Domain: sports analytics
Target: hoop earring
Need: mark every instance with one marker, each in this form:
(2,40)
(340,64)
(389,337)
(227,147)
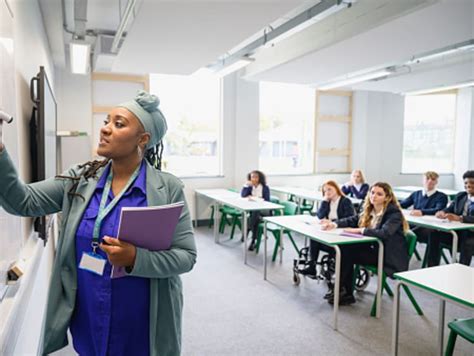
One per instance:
(140,152)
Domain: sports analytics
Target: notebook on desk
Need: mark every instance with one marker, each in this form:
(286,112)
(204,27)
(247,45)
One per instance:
(150,227)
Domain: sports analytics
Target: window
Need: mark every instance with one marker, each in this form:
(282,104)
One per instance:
(192,109)
(286,128)
(428,136)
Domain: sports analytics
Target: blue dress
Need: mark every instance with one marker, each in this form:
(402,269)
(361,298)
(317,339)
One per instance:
(111,316)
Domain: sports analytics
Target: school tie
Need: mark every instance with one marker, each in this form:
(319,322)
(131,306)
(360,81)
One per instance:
(470,209)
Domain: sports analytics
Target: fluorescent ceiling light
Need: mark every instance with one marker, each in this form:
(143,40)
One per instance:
(348,80)
(458,48)
(238,64)
(80,57)
(443,88)
(311,21)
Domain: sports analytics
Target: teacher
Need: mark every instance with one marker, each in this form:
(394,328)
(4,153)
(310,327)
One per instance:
(139,314)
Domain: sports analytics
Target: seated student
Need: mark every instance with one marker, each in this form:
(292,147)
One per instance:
(356,187)
(382,218)
(256,187)
(426,202)
(334,206)
(461,209)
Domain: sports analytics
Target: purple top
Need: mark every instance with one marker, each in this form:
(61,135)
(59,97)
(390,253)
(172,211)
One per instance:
(111,316)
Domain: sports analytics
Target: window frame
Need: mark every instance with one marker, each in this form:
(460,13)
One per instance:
(220,137)
(455,128)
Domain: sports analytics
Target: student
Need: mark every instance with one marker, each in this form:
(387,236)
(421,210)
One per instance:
(255,188)
(139,314)
(356,187)
(381,218)
(461,210)
(426,202)
(334,206)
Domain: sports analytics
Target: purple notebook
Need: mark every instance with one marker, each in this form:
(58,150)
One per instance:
(351,234)
(150,227)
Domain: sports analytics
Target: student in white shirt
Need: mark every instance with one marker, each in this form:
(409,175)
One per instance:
(255,188)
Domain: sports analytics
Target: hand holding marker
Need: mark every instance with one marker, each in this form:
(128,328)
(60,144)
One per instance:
(8,119)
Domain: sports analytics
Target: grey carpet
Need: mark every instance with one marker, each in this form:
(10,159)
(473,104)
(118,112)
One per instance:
(230,310)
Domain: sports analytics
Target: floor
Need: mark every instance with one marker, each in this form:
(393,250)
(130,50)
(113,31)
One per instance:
(231,310)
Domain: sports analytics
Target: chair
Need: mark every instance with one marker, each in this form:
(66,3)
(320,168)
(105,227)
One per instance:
(274,200)
(411,241)
(211,218)
(463,328)
(231,217)
(289,209)
(305,206)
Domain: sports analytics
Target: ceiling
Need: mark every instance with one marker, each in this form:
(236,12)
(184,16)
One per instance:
(180,36)
(375,37)
(170,37)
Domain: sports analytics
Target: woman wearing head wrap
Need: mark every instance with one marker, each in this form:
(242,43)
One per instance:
(137,314)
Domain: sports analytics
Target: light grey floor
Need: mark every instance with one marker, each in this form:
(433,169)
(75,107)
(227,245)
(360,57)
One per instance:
(230,310)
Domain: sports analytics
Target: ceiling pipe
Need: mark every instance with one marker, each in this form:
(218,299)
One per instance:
(312,15)
(129,10)
(80,18)
(94,32)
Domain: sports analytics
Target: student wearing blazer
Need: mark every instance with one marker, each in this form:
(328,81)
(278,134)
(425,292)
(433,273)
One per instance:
(461,210)
(334,206)
(255,188)
(382,218)
(427,201)
(91,305)
(356,187)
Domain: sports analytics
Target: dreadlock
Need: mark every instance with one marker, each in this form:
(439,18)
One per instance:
(153,155)
(90,171)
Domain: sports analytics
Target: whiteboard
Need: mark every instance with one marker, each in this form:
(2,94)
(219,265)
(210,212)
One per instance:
(10,226)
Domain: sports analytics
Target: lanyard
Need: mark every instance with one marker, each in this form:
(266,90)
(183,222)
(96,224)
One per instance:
(103,210)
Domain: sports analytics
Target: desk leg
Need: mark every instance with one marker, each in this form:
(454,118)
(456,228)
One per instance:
(442,309)
(195,209)
(281,245)
(265,250)
(396,319)
(379,280)
(244,224)
(337,284)
(216,222)
(454,250)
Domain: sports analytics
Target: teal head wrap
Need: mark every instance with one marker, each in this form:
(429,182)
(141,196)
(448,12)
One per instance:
(145,107)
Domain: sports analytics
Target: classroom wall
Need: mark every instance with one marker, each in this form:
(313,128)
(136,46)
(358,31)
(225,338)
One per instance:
(31,51)
(377,138)
(464,149)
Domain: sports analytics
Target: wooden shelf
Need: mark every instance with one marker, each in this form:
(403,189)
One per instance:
(334,152)
(335,118)
(335,92)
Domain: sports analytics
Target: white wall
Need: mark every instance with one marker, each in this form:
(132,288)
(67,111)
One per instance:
(377,138)
(31,52)
(379,149)
(464,149)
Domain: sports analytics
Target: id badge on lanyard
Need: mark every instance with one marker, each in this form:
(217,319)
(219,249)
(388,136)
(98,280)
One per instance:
(92,261)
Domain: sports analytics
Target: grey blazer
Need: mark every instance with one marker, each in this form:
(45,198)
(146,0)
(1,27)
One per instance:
(163,267)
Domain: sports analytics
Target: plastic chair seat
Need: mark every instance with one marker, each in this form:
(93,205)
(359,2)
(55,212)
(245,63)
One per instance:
(464,328)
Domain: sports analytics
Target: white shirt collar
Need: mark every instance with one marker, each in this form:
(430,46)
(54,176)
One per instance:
(428,193)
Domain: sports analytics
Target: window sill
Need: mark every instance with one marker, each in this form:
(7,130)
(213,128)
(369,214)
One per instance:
(201,177)
(421,173)
(306,174)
